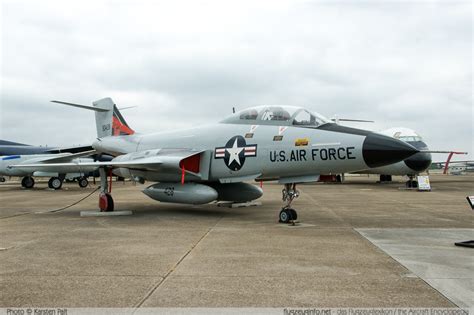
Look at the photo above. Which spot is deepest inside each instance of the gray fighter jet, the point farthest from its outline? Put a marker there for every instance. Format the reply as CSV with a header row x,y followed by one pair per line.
x,y
199,165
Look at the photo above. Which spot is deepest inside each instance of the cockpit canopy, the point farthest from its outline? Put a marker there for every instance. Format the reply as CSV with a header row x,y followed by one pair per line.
x,y
277,115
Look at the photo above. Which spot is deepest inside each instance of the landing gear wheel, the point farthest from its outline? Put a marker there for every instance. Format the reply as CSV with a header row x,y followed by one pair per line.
x,y
411,184
293,214
27,182
2,179
284,216
339,178
287,215
385,178
83,182
106,202
55,183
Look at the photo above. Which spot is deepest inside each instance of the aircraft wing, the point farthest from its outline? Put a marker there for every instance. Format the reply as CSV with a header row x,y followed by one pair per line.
x,y
70,149
454,162
67,158
163,161
137,165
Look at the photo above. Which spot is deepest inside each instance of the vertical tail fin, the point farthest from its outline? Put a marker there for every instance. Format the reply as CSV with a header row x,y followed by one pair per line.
x,y
109,121
119,125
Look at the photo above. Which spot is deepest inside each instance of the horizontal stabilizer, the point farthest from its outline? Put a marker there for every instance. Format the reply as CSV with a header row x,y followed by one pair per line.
x,y
96,109
353,120
445,152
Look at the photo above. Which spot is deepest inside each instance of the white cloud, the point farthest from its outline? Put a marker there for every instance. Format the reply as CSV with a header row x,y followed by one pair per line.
x,y
189,62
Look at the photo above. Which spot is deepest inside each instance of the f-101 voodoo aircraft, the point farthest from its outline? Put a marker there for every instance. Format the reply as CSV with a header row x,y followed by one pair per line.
x,y
213,163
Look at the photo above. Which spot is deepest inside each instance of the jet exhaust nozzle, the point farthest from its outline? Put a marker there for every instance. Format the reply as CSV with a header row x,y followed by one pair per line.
x,y
379,150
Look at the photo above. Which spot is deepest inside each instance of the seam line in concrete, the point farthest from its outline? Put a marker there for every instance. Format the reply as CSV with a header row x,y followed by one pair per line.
x,y
176,265
404,266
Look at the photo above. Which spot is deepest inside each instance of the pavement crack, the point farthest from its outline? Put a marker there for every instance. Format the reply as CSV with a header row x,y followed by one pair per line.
x,y
175,266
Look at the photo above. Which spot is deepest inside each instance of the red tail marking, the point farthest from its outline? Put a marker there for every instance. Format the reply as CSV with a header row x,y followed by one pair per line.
x,y
120,129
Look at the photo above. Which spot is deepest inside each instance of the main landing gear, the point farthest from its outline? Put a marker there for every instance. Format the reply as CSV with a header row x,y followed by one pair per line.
x,y
27,182
385,178
288,214
55,183
83,182
106,202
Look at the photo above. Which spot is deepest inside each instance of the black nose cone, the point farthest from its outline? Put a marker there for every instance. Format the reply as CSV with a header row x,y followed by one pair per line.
x,y
379,150
421,160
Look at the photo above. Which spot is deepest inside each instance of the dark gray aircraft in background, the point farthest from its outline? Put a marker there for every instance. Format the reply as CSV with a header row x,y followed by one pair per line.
x,y
287,144
9,150
15,148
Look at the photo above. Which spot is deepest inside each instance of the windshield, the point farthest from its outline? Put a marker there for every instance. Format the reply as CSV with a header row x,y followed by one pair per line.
x,y
277,115
410,138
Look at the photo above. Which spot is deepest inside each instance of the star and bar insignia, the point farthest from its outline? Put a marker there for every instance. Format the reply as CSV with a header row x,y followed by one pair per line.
x,y
235,152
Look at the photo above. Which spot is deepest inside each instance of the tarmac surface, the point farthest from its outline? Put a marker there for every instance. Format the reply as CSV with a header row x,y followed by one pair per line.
x,y
167,255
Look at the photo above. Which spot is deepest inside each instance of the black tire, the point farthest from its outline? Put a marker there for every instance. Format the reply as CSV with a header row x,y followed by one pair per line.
x,y
293,214
284,216
2,179
414,184
338,178
110,203
50,186
28,182
56,183
83,182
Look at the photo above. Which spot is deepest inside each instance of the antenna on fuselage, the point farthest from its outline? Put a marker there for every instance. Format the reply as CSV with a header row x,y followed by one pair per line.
x,y
233,110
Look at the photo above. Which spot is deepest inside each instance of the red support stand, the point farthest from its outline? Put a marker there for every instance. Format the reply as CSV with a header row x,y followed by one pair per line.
x,y
110,182
183,172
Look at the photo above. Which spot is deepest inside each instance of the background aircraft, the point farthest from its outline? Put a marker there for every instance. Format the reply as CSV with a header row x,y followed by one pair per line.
x,y
412,166
211,163
15,148
57,174
455,167
9,148
16,153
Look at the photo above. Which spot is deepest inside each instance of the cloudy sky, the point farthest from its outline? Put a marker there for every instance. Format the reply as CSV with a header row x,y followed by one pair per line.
x,y
185,63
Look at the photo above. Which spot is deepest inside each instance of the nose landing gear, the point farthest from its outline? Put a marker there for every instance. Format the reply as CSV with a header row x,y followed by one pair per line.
x,y
288,214
411,182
